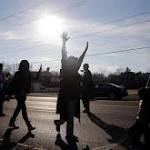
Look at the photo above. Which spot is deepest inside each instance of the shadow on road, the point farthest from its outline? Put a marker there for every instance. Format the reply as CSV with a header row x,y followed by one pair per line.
x,y
63,145
25,137
118,134
7,144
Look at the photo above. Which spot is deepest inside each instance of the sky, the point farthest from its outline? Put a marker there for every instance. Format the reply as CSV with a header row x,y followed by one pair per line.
x,y
30,29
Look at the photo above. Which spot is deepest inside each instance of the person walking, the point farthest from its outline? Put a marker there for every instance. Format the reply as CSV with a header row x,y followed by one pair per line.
x,y
2,93
20,87
87,88
142,124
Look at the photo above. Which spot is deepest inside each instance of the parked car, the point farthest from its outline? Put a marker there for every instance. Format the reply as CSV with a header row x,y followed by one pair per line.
x,y
110,90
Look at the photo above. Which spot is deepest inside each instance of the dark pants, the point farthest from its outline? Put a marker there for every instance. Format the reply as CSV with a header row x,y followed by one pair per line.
x,y
1,103
137,130
21,106
86,97
1,106
86,104
72,107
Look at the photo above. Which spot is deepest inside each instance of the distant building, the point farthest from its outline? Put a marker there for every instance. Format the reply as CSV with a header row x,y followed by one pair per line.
x,y
46,81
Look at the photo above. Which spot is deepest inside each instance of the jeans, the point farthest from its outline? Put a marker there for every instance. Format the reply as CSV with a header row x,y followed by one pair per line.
x,y
21,106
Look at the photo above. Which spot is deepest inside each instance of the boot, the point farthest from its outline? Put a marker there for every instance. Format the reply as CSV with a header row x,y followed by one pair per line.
x,y
72,139
30,128
12,125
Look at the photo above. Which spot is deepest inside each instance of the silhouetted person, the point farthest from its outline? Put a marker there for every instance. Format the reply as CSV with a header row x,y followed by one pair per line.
x,y
87,87
21,85
68,105
8,79
2,93
142,124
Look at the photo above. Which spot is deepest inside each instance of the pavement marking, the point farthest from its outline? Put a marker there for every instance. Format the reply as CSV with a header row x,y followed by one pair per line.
x,y
107,147
42,109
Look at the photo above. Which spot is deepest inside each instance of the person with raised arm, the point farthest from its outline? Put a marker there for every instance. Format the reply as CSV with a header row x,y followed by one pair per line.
x,y
20,87
68,104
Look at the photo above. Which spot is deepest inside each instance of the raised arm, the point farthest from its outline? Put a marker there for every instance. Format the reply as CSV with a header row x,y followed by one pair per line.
x,y
65,38
82,56
38,73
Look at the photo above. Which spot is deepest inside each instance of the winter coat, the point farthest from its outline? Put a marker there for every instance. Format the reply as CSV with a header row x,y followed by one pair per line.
x,y
21,83
144,113
87,86
69,92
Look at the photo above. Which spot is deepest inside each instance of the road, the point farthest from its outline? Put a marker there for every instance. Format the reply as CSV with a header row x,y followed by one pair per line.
x,y
103,129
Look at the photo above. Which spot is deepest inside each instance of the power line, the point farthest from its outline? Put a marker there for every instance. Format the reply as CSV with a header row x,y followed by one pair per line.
x,y
97,32
18,50
46,61
105,53
115,21
104,31
129,17
25,10
19,12
97,54
124,18
39,43
88,55
120,51
93,33
34,20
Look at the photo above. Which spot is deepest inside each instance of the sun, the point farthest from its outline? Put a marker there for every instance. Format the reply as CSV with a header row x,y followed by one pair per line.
x,y
50,26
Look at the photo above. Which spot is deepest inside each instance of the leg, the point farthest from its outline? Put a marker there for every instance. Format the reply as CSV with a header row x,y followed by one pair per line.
x,y
135,133
147,137
70,122
24,113
86,105
58,123
70,127
16,112
70,137
1,104
1,107
25,116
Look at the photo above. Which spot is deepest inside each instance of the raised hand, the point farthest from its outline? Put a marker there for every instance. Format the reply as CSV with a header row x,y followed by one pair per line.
x,y
87,45
40,68
80,60
38,73
65,37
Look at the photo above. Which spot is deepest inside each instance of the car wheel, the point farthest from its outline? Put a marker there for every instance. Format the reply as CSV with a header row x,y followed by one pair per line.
x,y
112,96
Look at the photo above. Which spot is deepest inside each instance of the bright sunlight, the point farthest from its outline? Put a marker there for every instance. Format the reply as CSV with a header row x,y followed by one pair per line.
x,y
50,27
